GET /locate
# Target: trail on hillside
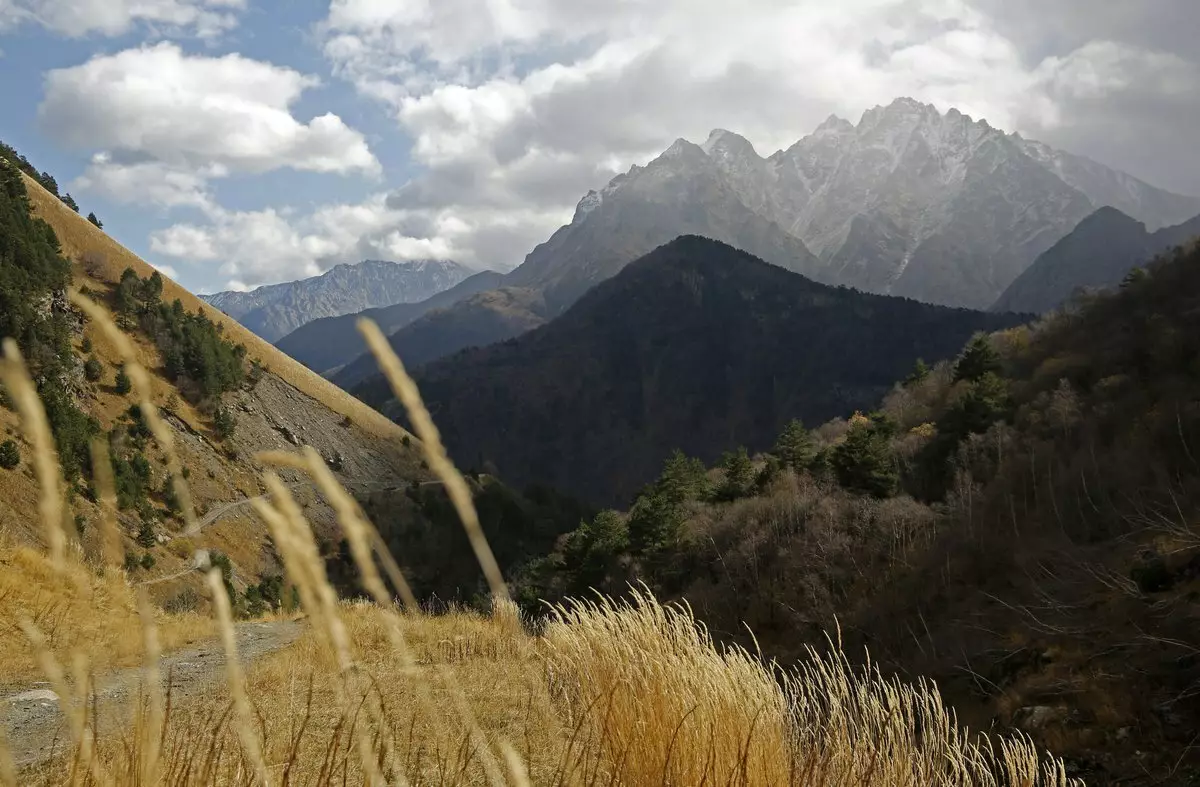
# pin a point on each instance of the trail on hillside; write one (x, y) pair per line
(222, 510)
(35, 730)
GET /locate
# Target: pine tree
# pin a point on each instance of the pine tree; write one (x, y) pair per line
(977, 359)
(92, 218)
(122, 382)
(93, 370)
(739, 474)
(864, 462)
(683, 478)
(795, 446)
(654, 523)
(918, 374)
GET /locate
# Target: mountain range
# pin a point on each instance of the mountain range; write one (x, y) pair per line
(326, 344)
(697, 346)
(1098, 253)
(275, 310)
(934, 206)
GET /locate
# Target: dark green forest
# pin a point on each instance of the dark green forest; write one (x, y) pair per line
(698, 347)
(33, 311)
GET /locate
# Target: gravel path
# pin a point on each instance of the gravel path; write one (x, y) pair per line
(35, 730)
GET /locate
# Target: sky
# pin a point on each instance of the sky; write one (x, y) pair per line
(234, 143)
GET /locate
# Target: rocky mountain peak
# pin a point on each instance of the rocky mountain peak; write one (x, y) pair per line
(726, 144)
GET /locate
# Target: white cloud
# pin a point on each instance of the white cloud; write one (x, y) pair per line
(167, 122)
(148, 182)
(517, 107)
(77, 18)
(249, 248)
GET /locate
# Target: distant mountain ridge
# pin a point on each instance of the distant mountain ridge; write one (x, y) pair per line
(1098, 254)
(327, 344)
(484, 318)
(911, 201)
(697, 346)
(275, 310)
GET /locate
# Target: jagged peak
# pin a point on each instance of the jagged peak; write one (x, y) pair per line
(834, 125)
(680, 147)
(590, 202)
(727, 141)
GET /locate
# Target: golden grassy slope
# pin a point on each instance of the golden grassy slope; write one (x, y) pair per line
(103, 259)
(78, 611)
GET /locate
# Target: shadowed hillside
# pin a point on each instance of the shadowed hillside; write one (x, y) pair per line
(695, 346)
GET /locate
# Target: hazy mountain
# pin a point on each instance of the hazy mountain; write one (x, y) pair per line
(488, 317)
(684, 191)
(327, 344)
(697, 346)
(1097, 254)
(680, 192)
(276, 310)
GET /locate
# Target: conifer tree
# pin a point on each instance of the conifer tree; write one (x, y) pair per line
(795, 446)
(977, 359)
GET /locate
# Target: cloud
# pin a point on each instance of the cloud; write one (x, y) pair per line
(148, 182)
(77, 18)
(249, 248)
(517, 107)
(167, 122)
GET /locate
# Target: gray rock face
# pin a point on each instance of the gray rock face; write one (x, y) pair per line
(938, 207)
(685, 191)
(276, 310)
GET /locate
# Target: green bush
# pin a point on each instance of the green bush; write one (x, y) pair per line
(122, 382)
(145, 535)
(148, 561)
(10, 456)
(93, 370)
(86, 345)
(224, 423)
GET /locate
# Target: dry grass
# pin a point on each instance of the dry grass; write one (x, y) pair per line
(81, 611)
(633, 694)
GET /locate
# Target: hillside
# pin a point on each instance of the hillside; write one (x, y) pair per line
(1017, 525)
(1099, 253)
(696, 346)
(275, 310)
(327, 344)
(491, 316)
(218, 423)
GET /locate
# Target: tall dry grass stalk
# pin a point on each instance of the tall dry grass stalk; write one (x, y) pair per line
(435, 453)
(243, 714)
(45, 457)
(106, 498)
(145, 394)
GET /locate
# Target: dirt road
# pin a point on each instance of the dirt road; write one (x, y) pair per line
(35, 730)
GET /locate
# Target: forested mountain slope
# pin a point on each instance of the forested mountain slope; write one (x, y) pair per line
(696, 346)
